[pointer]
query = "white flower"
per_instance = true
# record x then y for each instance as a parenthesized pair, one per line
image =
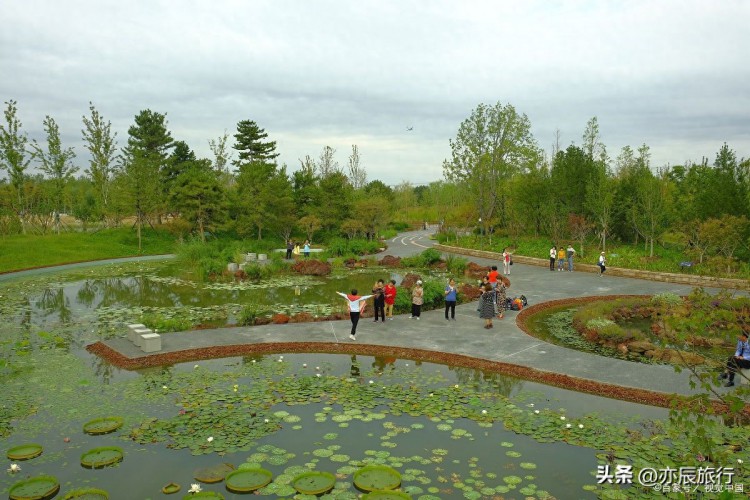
(281, 357)
(568, 426)
(371, 382)
(739, 461)
(580, 426)
(484, 412)
(430, 394)
(317, 368)
(235, 387)
(195, 488)
(164, 387)
(210, 438)
(195, 367)
(562, 417)
(14, 468)
(304, 365)
(536, 411)
(456, 386)
(407, 364)
(281, 360)
(266, 420)
(531, 405)
(253, 361)
(317, 375)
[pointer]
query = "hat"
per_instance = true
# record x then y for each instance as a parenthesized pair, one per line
(419, 282)
(602, 253)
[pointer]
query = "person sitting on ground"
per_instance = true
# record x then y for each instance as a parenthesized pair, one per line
(740, 360)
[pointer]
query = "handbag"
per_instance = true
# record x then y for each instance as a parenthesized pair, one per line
(511, 261)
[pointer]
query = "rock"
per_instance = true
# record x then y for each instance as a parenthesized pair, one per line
(390, 261)
(280, 319)
(641, 346)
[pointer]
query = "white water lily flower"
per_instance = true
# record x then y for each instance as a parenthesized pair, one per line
(210, 438)
(536, 411)
(739, 461)
(266, 420)
(317, 375)
(281, 357)
(407, 364)
(562, 417)
(253, 361)
(456, 386)
(304, 365)
(281, 360)
(195, 367)
(580, 426)
(531, 405)
(484, 412)
(235, 387)
(371, 382)
(14, 468)
(195, 488)
(164, 387)
(317, 368)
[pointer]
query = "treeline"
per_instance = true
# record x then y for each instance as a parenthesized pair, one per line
(581, 192)
(497, 180)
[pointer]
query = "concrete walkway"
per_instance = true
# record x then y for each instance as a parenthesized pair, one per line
(505, 343)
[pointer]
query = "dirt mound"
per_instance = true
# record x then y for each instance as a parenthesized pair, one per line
(312, 268)
(390, 261)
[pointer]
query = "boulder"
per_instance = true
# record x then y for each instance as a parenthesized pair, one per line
(641, 346)
(390, 261)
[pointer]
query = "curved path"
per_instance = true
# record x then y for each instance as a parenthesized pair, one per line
(505, 344)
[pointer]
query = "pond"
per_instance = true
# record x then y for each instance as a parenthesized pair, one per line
(132, 290)
(451, 432)
(443, 428)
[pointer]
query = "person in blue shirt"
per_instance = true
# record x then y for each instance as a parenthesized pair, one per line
(739, 361)
(450, 299)
(306, 249)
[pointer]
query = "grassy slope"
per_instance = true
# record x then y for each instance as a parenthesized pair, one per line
(23, 252)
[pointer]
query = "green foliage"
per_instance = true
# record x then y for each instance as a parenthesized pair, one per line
(248, 315)
(456, 265)
(163, 324)
(430, 256)
(666, 299)
(338, 247)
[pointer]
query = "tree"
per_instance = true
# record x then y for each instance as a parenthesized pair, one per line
(258, 174)
(327, 163)
(592, 145)
(309, 224)
(490, 146)
(55, 162)
(149, 142)
(724, 235)
(357, 173)
(579, 229)
(571, 172)
(101, 143)
(651, 210)
(373, 213)
(352, 227)
(600, 199)
(13, 157)
(379, 188)
(337, 203)
(197, 196)
(222, 155)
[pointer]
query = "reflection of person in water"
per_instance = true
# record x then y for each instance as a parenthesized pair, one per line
(380, 363)
(354, 369)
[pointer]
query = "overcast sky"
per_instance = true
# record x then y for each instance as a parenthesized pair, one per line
(672, 74)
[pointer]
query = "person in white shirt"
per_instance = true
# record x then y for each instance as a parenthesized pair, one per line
(602, 264)
(356, 305)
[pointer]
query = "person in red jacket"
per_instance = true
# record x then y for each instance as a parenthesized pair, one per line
(492, 276)
(390, 298)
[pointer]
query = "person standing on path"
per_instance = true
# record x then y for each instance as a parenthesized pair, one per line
(450, 299)
(506, 262)
(306, 249)
(378, 291)
(739, 361)
(501, 297)
(560, 259)
(417, 299)
(390, 292)
(569, 253)
(552, 257)
(602, 264)
(289, 249)
(356, 305)
(487, 306)
(492, 276)
(296, 250)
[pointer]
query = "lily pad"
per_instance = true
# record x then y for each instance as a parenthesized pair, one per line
(314, 482)
(213, 474)
(247, 480)
(25, 451)
(386, 495)
(101, 457)
(87, 494)
(102, 425)
(170, 488)
(377, 477)
(36, 488)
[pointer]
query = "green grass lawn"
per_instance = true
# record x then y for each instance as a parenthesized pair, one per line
(28, 251)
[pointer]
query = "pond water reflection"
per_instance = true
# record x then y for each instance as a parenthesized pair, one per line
(295, 412)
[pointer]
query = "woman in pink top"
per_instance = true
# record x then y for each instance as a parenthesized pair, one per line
(356, 304)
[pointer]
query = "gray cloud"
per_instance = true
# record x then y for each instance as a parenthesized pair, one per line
(670, 74)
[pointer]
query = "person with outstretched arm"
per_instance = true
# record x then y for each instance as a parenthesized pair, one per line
(356, 305)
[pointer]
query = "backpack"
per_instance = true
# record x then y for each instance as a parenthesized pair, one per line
(523, 300)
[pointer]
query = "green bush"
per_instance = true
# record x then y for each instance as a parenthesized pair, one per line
(399, 226)
(430, 256)
(456, 265)
(666, 299)
(248, 315)
(162, 324)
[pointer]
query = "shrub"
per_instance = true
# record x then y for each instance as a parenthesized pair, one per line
(248, 315)
(430, 256)
(400, 226)
(160, 323)
(456, 265)
(666, 299)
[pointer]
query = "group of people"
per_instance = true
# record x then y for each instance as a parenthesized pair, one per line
(493, 298)
(384, 296)
(563, 257)
(293, 249)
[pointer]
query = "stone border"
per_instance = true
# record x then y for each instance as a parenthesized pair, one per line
(683, 279)
(568, 382)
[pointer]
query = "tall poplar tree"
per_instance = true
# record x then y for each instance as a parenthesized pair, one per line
(55, 161)
(101, 143)
(13, 157)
